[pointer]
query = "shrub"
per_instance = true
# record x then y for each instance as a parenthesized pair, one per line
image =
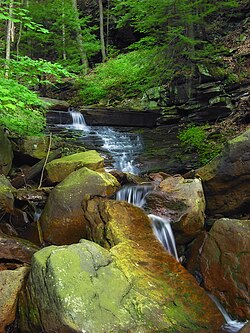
(21, 111)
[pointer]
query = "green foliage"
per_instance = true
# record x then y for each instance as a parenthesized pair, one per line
(199, 140)
(123, 76)
(21, 111)
(32, 72)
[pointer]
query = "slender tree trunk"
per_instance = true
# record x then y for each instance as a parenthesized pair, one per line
(102, 30)
(83, 55)
(107, 29)
(19, 35)
(9, 39)
(63, 31)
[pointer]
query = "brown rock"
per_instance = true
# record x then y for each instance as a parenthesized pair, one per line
(127, 230)
(182, 202)
(226, 179)
(62, 219)
(225, 258)
(16, 249)
(11, 282)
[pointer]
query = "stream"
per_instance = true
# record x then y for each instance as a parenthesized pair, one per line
(121, 150)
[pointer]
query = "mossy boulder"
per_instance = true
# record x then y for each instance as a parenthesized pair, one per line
(6, 196)
(59, 169)
(132, 286)
(6, 153)
(62, 219)
(33, 146)
(224, 263)
(226, 178)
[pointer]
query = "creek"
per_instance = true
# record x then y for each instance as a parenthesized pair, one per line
(121, 149)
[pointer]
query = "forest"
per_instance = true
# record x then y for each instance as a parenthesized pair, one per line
(112, 50)
(124, 166)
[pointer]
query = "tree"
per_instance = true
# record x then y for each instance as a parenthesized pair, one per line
(103, 49)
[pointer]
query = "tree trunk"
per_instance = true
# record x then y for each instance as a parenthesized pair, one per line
(63, 32)
(9, 38)
(83, 55)
(102, 31)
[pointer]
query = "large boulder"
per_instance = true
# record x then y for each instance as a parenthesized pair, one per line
(6, 153)
(62, 219)
(11, 282)
(133, 287)
(226, 179)
(182, 202)
(57, 170)
(6, 196)
(224, 264)
(33, 146)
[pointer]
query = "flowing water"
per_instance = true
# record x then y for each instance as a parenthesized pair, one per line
(136, 195)
(123, 148)
(231, 326)
(119, 148)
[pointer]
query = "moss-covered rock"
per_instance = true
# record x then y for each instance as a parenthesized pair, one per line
(226, 178)
(6, 153)
(6, 196)
(33, 146)
(59, 169)
(62, 219)
(134, 287)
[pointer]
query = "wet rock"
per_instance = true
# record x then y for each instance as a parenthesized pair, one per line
(226, 178)
(11, 282)
(225, 257)
(6, 196)
(245, 329)
(6, 153)
(13, 249)
(182, 202)
(59, 169)
(56, 104)
(133, 287)
(62, 218)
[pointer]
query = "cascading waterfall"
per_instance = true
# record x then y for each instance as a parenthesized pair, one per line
(163, 231)
(123, 147)
(231, 326)
(135, 194)
(78, 120)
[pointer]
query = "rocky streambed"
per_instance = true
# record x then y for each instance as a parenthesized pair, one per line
(97, 266)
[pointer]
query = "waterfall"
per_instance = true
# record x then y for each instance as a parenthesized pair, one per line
(231, 326)
(78, 121)
(135, 194)
(163, 231)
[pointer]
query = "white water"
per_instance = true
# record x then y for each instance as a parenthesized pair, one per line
(79, 122)
(123, 147)
(136, 194)
(231, 326)
(163, 232)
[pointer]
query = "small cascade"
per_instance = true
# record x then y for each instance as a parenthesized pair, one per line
(163, 231)
(78, 121)
(134, 194)
(231, 326)
(123, 147)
